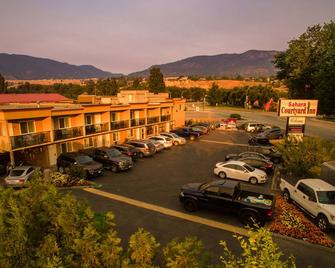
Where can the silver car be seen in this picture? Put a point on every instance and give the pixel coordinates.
(19, 176)
(176, 140)
(159, 146)
(166, 141)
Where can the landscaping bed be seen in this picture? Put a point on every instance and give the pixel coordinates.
(290, 221)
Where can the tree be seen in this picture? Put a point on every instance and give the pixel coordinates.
(156, 80)
(214, 95)
(3, 84)
(307, 66)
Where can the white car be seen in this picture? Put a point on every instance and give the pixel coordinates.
(239, 170)
(166, 141)
(175, 138)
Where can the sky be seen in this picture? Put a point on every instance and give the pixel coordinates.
(123, 36)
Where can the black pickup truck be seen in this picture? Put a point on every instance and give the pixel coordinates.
(253, 205)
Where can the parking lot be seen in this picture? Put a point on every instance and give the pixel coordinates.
(157, 180)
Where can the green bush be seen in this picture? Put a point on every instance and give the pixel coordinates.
(237, 116)
(77, 172)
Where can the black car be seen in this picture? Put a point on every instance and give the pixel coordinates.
(128, 150)
(110, 158)
(272, 133)
(259, 141)
(255, 162)
(187, 132)
(66, 160)
(246, 154)
(4, 162)
(251, 204)
(269, 151)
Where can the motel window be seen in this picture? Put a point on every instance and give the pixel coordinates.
(89, 119)
(27, 127)
(116, 136)
(114, 116)
(64, 122)
(88, 142)
(66, 147)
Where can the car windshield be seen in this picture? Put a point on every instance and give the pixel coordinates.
(17, 172)
(326, 197)
(83, 159)
(113, 153)
(249, 168)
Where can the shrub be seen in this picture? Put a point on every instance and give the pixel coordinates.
(77, 172)
(237, 116)
(61, 180)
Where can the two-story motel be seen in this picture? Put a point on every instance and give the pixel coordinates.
(36, 128)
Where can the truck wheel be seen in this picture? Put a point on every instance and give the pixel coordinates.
(114, 168)
(190, 205)
(286, 196)
(192, 138)
(322, 222)
(250, 219)
(253, 180)
(222, 175)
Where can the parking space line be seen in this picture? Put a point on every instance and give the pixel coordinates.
(170, 212)
(226, 143)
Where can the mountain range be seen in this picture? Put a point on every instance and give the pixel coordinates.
(13, 66)
(252, 63)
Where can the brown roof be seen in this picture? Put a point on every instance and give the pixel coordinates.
(34, 97)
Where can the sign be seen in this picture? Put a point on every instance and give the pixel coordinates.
(297, 108)
(297, 120)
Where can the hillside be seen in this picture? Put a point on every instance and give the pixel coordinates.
(14, 66)
(253, 63)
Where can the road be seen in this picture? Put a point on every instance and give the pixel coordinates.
(314, 127)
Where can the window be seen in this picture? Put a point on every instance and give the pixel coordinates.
(64, 122)
(27, 127)
(116, 136)
(114, 116)
(89, 119)
(239, 168)
(231, 166)
(88, 142)
(214, 190)
(65, 147)
(302, 188)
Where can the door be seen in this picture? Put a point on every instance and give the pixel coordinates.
(300, 194)
(229, 170)
(210, 197)
(241, 173)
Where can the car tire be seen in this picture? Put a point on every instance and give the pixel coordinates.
(222, 175)
(114, 168)
(175, 143)
(192, 138)
(140, 155)
(286, 196)
(250, 219)
(322, 222)
(253, 180)
(190, 205)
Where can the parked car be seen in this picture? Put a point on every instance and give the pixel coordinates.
(252, 126)
(262, 128)
(272, 133)
(239, 170)
(246, 154)
(158, 145)
(166, 141)
(176, 140)
(19, 176)
(66, 160)
(259, 141)
(110, 158)
(4, 162)
(128, 150)
(316, 197)
(200, 129)
(259, 163)
(187, 132)
(252, 205)
(208, 125)
(146, 148)
(269, 151)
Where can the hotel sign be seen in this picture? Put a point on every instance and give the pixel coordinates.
(300, 108)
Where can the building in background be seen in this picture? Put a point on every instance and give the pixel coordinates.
(36, 128)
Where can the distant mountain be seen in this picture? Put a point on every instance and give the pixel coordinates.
(14, 66)
(252, 63)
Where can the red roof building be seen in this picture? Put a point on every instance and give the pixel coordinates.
(32, 98)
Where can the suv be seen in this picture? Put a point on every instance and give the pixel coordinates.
(128, 150)
(146, 147)
(272, 133)
(252, 127)
(187, 132)
(66, 160)
(110, 158)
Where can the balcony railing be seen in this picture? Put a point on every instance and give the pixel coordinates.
(96, 128)
(165, 117)
(152, 120)
(67, 133)
(32, 139)
(137, 122)
(119, 124)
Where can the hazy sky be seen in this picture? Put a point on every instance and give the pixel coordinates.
(126, 36)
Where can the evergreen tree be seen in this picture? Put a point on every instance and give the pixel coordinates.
(156, 80)
(3, 85)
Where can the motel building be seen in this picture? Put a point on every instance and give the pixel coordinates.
(36, 128)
